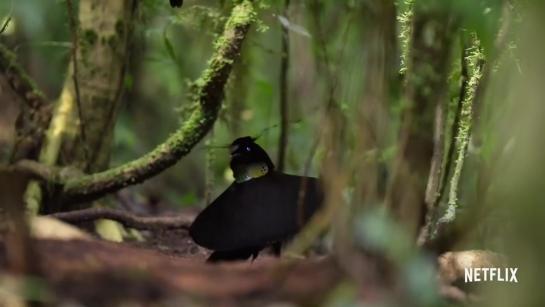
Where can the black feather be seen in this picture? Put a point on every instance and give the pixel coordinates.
(257, 213)
(176, 3)
(239, 254)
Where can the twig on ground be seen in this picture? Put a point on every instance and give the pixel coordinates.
(125, 218)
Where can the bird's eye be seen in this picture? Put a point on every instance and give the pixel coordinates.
(247, 148)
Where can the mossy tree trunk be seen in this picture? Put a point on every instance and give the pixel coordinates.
(104, 33)
(34, 114)
(81, 131)
(433, 28)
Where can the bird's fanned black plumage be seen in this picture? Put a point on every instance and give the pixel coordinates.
(256, 212)
(237, 254)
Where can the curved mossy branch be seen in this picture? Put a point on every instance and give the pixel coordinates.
(208, 94)
(35, 111)
(18, 78)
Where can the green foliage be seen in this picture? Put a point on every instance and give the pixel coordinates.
(189, 199)
(199, 18)
(327, 68)
(481, 17)
(376, 232)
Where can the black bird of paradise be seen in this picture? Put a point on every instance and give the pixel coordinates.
(261, 208)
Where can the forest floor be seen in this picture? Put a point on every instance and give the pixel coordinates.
(172, 269)
(168, 268)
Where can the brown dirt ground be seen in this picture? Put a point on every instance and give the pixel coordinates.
(171, 270)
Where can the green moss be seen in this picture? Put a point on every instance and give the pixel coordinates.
(87, 40)
(120, 28)
(405, 19)
(474, 60)
(242, 14)
(89, 37)
(7, 58)
(8, 61)
(112, 41)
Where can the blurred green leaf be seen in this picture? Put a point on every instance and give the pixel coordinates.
(189, 199)
(169, 48)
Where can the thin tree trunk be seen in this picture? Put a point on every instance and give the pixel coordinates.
(284, 113)
(35, 112)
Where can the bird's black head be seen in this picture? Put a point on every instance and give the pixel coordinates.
(245, 154)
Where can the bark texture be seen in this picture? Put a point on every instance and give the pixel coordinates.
(81, 130)
(432, 31)
(35, 111)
